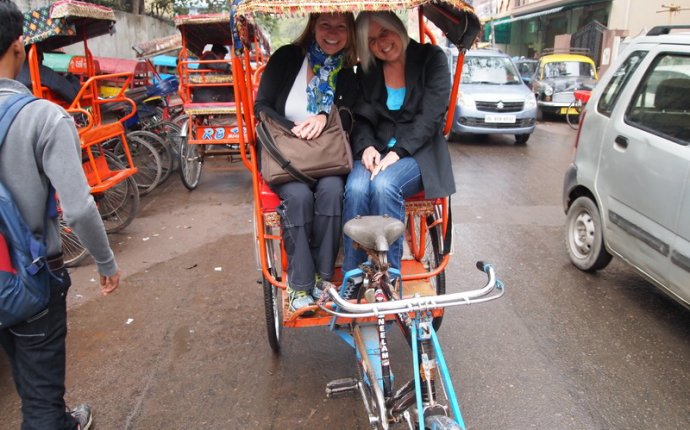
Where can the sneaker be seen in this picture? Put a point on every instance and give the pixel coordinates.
(299, 299)
(82, 414)
(319, 288)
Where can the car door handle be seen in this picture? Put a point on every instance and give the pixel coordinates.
(622, 141)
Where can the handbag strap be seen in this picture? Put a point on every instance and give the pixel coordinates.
(269, 144)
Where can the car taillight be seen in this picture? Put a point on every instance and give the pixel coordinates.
(579, 129)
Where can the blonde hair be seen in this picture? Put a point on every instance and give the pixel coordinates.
(307, 36)
(387, 20)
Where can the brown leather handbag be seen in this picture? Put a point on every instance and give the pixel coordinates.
(287, 157)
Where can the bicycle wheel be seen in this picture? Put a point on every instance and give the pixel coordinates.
(191, 160)
(156, 138)
(119, 204)
(147, 161)
(572, 115)
(171, 133)
(73, 252)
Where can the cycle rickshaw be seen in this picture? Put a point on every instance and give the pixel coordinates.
(212, 91)
(368, 299)
(107, 160)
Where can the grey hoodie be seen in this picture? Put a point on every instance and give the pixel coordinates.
(42, 146)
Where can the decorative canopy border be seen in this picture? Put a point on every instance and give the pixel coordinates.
(215, 18)
(158, 46)
(297, 7)
(74, 8)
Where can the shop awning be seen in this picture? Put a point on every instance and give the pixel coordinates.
(506, 20)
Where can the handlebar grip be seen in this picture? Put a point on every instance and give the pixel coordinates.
(484, 267)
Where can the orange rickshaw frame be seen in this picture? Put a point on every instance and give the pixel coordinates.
(425, 217)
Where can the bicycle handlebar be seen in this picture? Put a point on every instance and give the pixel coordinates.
(418, 303)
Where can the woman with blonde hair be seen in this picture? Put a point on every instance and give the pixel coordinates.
(398, 140)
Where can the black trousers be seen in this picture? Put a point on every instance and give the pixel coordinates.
(36, 349)
(311, 222)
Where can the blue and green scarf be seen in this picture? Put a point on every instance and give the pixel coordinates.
(321, 88)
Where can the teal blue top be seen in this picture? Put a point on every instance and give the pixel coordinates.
(395, 99)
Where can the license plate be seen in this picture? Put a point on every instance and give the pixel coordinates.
(503, 119)
(569, 111)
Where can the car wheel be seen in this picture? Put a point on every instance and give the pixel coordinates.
(585, 236)
(521, 139)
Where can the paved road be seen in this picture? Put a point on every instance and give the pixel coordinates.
(182, 344)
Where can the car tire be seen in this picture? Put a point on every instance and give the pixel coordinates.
(521, 139)
(585, 236)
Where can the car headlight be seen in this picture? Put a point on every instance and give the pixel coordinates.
(530, 102)
(465, 101)
(548, 91)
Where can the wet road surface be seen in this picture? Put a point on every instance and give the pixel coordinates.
(182, 343)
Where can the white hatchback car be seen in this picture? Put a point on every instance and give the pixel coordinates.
(627, 192)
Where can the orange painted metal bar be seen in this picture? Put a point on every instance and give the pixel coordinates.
(450, 116)
(240, 94)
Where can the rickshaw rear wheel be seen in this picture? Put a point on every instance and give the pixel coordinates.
(432, 256)
(73, 251)
(191, 159)
(119, 204)
(274, 314)
(147, 161)
(156, 137)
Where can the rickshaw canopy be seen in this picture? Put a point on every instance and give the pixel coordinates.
(65, 23)
(204, 29)
(455, 18)
(155, 47)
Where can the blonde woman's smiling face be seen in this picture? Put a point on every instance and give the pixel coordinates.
(385, 44)
(330, 32)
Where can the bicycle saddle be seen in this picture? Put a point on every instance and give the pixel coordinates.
(374, 232)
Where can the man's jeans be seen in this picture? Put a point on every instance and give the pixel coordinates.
(36, 349)
(384, 195)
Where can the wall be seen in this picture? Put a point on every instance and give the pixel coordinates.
(129, 30)
(637, 16)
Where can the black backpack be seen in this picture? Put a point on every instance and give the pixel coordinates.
(24, 272)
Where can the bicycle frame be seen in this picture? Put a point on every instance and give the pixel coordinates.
(370, 342)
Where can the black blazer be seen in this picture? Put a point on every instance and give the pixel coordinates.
(280, 73)
(418, 125)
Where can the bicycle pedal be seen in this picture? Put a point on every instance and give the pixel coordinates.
(341, 388)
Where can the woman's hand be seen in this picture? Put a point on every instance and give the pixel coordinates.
(370, 158)
(311, 127)
(389, 159)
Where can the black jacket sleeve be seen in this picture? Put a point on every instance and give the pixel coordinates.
(270, 99)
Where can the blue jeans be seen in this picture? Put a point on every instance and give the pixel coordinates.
(384, 195)
(36, 349)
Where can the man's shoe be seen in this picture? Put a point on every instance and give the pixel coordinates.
(82, 414)
(299, 299)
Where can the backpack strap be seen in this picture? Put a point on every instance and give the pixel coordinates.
(9, 109)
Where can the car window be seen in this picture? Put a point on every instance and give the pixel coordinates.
(618, 81)
(527, 68)
(562, 69)
(661, 104)
(490, 70)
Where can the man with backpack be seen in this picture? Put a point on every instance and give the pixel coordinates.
(41, 151)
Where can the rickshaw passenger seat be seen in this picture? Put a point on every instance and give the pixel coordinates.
(374, 232)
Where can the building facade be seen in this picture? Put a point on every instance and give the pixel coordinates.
(527, 27)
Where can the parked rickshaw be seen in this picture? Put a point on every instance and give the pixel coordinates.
(217, 94)
(107, 160)
(370, 299)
